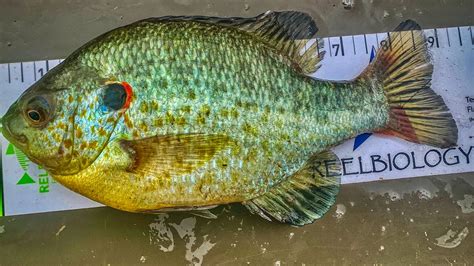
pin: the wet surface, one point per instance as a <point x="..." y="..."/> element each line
<point x="400" y="221"/>
<point x="427" y="220"/>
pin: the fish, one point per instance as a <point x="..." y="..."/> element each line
<point x="192" y="112"/>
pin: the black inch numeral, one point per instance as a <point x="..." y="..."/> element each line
<point x="433" y="40"/>
<point x="336" y="46"/>
<point x="339" y="47"/>
<point x="41" y="72"/>
<point x="384" y="45"/>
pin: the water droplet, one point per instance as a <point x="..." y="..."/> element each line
<point x="340" y="211"/>
<point x="348" y="4"/>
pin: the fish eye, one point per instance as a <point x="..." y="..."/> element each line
<point x="37" y="110"/>
<point x="34" y="115"/>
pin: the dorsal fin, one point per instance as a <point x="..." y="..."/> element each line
<point x="291" y="33"/>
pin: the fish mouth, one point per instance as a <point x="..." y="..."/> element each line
<point x="3" y="129"/>
<point x="17" y="139"/>
<point x="20" y="142"/>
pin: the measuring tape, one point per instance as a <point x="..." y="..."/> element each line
<point x="26" y="188"/>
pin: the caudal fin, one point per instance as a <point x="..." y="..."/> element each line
<point x="403" y="67"/>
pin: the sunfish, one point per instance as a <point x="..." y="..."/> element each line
<point x="184" y="113"/>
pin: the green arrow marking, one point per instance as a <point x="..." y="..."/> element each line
<point x="22" y="159"/>
<point x="26" y="179"/>
<point x="10" y="149"/>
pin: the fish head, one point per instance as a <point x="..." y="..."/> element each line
<point x="60" y="122"/>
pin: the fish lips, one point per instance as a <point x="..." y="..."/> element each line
<point x="10" y="121"/>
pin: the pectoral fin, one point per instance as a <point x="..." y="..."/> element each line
<point x="305" y="196"/>
<point x="173" y="155"/>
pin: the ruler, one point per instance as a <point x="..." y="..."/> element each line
<point x="26" y="188"/>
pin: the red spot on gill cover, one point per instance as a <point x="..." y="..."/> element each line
<point x="129" y="92"/>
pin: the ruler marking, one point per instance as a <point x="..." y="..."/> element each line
<point x="377" y="39"/>
<point x="34" y="69"/>
<point x="447" y="34"/>
<point x="365" y="41"/>
<point x="329" y="42"/>
<point x="401" y="39"/>
<point x="9" y="74"/>
<point x="47" y="65"/>
<point x="353" y="44"/>
<point x="405" y="42"/>
<point x="21" y="71"/>
<point x="317" y="46"/>
<point x="342" y="45"/>
<point x="436" y="37"/>
<point x="459" y="34"/>
<point x="389" y="40"/>
<point x="470" y="31"/>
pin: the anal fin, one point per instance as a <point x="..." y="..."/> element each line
<point x="207" y="214"/>
<point x="200" y="211"/>
<point x="305" y="196"/>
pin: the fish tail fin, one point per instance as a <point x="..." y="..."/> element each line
<point x="403" y="68"/>
<point x="303" y="197"/>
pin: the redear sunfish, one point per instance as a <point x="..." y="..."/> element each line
<point x="184" y="113"/>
